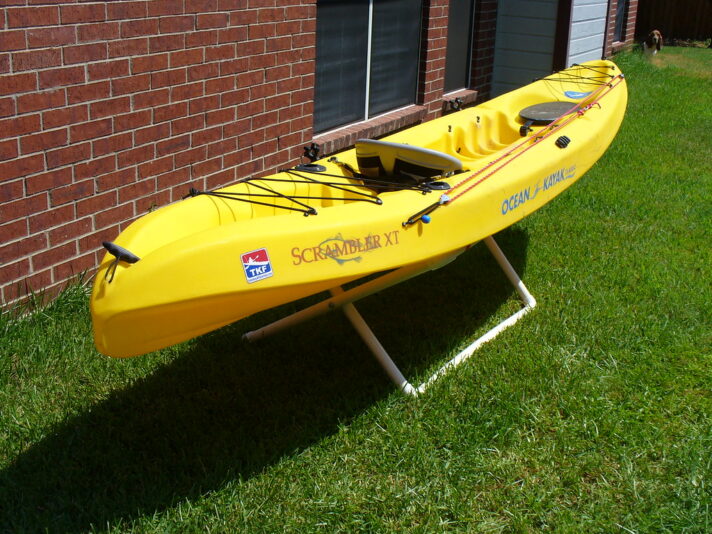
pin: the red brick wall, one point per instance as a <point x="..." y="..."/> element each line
<point x="110" y="108"/>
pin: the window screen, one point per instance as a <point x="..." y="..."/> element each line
<point x="352" y="85"/>
<point x="459" y="45"/>
<point x="341" y="59"/>
<point x="621" y="15"/>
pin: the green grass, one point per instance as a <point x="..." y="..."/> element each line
<point x="594" y="414"/>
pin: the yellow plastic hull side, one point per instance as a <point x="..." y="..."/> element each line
<point x="192" y="275"/>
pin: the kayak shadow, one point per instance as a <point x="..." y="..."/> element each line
<point x="224" y="410"/>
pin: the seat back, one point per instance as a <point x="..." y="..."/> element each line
<point x="383" y="159"/>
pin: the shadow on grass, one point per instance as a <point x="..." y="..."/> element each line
<point x="224" y="411"/>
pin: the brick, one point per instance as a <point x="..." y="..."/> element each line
<point x="113" y="215"/>
<point x="156" y="167"/>
<point x="201" y="72"/>
<point x="92" y="242"/>
<point x="73" y="192"/>
<point x="188" y="124"/>
<point x="70" y="154"/>
<point x="56" y="36"/>
<point x="173" y="145"/>
<point x="220" y="116"/>
<point x="137" y="28"/>
<point x="74" y="267"/>
<point x="23" y="207"/>
<point x="151" y="202"/>
<point x="11" y="190"/>
<point x="164" y="43"/>
<point x="222" y="147"/>
<point x="127" y="10"/>
<point x="204" y="104"/>
<point x="60" y="77"/>
<point x="137" y="190"/>
<point x="88" y="92"/>
<point x="15" y="168"/>
<point x="25" y="247"/>
<point x="190" y="156"/>
<point x="8" y="149"/>
<point x="170" y="112"/>
<point x="186" y="57"/>
<point x="111" y="145"/>
<point x="207" y="167"/>
<point x="211" y="20"/>
<point x="200" y="6"/>
<point x="201" y="38"/>
<point x="101" y="31"/>
<point x="261" y="31"/>
<point x="48" y="180"/>
<point x="106" y="108"/>
<point x="136" y="155"/>
<point x="18" y="83"/>
<point x="116" y="179"/>
<point x="43" y="141"/>
<point x="83" y="13"/>
<point x="185" y="23"/>
<point x="152" y="133"/>
<point x="188" y="91"/>
<point x="12" y="40"/>
<point x="24" y="17"/>
<point x="168" y="78"/>
<point x="69" y="231"/>
<point x="91" y="130"/>
<point x="54" y="118"/>
<point x="11" y="272"/>
<point x="94" y="167"/>
<point x="36" y="59"/>
<point x="53" y="256"/>
<point x="13" y="230"/>
<point x="164" y="7"/>
<point x="128" y="47"/>
<point x="149" y="63"/>
<point x="85" y="53"/>
<point x="108" y="69"/>
<point x="222" y="52"/>
<point x="232" y="35"/>
<point x="148" y="99"/>
<point x="132" y="120"/>
<point x="204" y="137"/>
<point x="130" y="84"/>
<point x="233" y="66"/>
<point x="39" y="101"/>
<point x="172" y="179"/>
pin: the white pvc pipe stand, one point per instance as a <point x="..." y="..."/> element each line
<point x="344" y="300"/>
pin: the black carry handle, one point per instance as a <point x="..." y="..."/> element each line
<point x="120" y="253"/>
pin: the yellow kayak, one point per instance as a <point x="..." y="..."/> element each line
<point x="412" y="197"/>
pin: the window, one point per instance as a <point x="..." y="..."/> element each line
<point x="459" y="44"/>
<point x="621" y="16"/>
<point x="367" y="54"/>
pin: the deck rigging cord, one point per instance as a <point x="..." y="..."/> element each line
<point x="576" y="111"/>
<point x="299" y="176"/>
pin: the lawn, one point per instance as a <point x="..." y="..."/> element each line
<point x="593" y="414"/>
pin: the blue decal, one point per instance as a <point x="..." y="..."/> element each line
<point x="529" y="193"/>
<point x="256" y="265"/>
<point x="576" y="94"/>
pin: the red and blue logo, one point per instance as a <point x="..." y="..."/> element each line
<point x="257" y="265"/>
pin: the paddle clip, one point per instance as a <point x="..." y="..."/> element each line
<point x="119" y="254"/>
<point x="424" y="214"/>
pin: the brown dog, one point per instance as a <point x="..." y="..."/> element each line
<point x="653" y="43"/>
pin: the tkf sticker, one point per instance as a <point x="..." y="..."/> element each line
<point x="257" y="265"/>
<point x="576" y="94"/>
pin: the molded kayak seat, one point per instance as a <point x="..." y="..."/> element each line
<point x="384" y="159"/>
